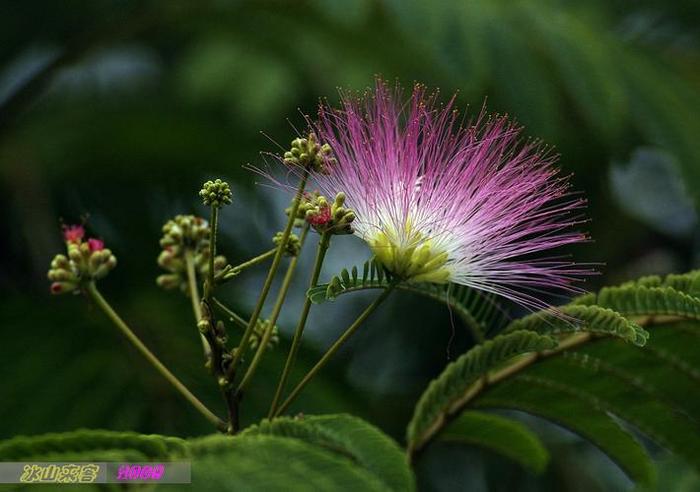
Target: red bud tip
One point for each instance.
(73, 233)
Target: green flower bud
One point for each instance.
(216, 193)
(308, 153)
(186, 234)
(63, 287)
(259, 332)
(62, 275)
(168, 281)
(74, 253)
(293, 245)
(203, 326)
(106, 267)
(60, 261)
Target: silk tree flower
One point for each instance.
(440, 202)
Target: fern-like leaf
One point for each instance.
(589, 318)
(578, 413)
(274, 463)
(640, 300)
(501, 435)
(477, 311)
(348, 436)
(373, 276)
(446, 395)
(90, 441)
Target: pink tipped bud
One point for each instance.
(62, 287)
(96, 244)
(319, 218)
(73, 233)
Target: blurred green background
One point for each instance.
(121, 109)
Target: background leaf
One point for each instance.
(502, 435)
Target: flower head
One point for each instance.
(84, 261)
(308, 153)
(439, 202)
(182, 235)
(216, 193)
(333, 218)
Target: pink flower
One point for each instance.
(440, 202)
(73, 233)
(96, 244)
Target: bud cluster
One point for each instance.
(327, 217)
(258, 333)
(308, 153)
(85, 261)
(182, 235)
(293, 245)
(216, 193)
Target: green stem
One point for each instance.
(254, 261)
(95, 295)
(194, 297)
(281, 296)
(209, 288)
(333, 349)
(233, 317)
(298, 332)
(245, 340)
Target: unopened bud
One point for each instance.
(60, 261)
(203, 326)
(168, 281)
(216, 193)
(308, 153)
(293, 245)
(63, 287)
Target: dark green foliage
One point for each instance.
(595, 383)
(577, 318)
(502, 435)
(270, 462)
(90, 443)
(651, 296)
(350, 437)
(578, 414)
(443, 396)
(193, 84)
(329, 452)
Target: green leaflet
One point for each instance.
(444, 395)
(581, 415)
(673, 295)
(591, 384)
(635, 300)
(626, 395)
(350, 437)
(90, 441)
(274, 463)
(333, 452)
(477, 310)
(500, 434)
(373, 277)
(594, 319)
(670, 365)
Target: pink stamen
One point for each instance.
(96, 244)
(73, 233)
